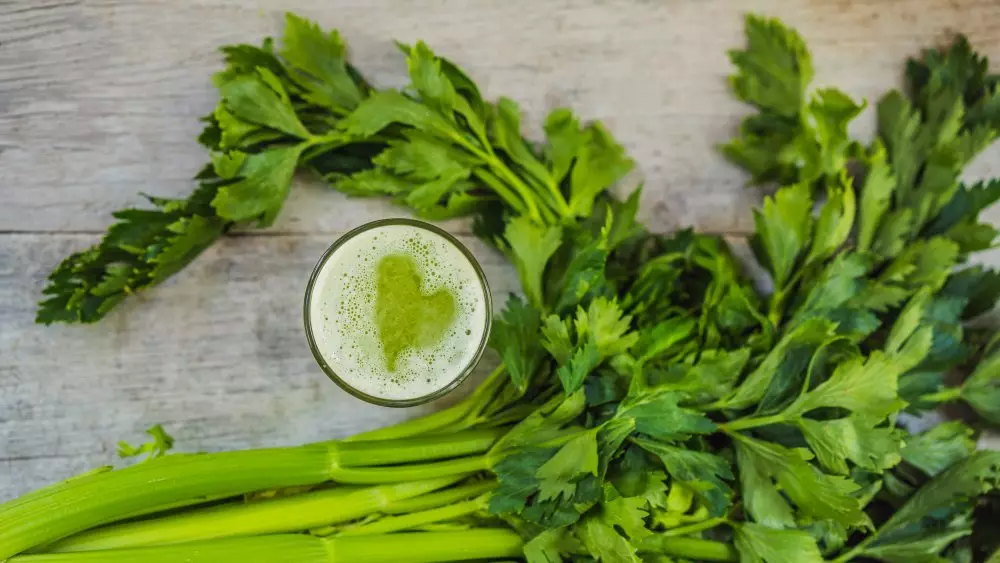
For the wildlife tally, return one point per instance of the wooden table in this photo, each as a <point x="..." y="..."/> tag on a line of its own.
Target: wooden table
<point x="99" y="100"/>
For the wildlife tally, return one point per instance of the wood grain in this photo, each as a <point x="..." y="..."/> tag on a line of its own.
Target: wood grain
<point x="99" y="100"/>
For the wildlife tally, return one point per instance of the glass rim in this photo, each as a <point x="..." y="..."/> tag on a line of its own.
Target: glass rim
<point x="382" y="401"/>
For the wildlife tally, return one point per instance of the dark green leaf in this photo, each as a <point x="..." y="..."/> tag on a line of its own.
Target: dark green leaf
<point x="774" y="70"/>
<point x="979" y="286"/>
<point x="763" y="501"/>
<point x="140" y="249"/>
<point x="262" y="100"/>
<point x="374" y="182"/>
<point x="982" y="389"/>
<point x="938" y="448"/>
<point x="893" y="233"/>
<point x="318" y="65"/>
<point x="829" y="112"/>
<point x="516" y="337"/>
<point x="605" y="324"/>
<point x="836" y="220"/>
<point x="783" y="226"/>
<point x="562" y="129"/>
<point x="711" y="378"/>
<point x="876" y="195"/>
<point x="531" y="247"/>
<point x="662" y="338"/>
<point x="865" y="387"/>
<point x="937" y="507"/>
<point x="636" y="475"/>
<point x="814" y="493"/>
<point x="600" y="162"/>
<point x="243" y="60"/>
<point x="430" y="81"/>
<point x="702" y="472"/>
<point x="260" y="192"/>
<point x="656" y="412"/>
<point x="855" y="438"/>
<point x="386" y="107"/>
<point x="604" y="542"/>
<point x="783" y="368"/>
<point x="581" y="363"/>
<point x="574" y="460"/>
<point x="758" y="543"/>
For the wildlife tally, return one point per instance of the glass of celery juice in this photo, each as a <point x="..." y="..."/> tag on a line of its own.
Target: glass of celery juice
<point x="397" y="312"/>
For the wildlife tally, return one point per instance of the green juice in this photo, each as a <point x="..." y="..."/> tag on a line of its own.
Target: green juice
<point x="406" y="317"/>
<point x="397" y="312"/>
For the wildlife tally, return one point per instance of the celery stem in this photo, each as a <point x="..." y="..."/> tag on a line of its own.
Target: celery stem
<point x="440" y="498"/>
<point x="417" y="426"/>
<point x="696" y="527"/>
<point x="72" y="506"/>
<point x="427" y="547"/>
<point x="413" y="472"/>
<point x="945" y="395"/>
<point x="287" y="514"/>
<point x="290" y="548"/>
<point x="415" y="519"/>
<point x="689" y="548"/>
<point x="752" y="422"/>
<point x="441" y="420"/>
<point x="363" y="454"/>
<point x="416" y="547"/>
<point x="85" y="502"/>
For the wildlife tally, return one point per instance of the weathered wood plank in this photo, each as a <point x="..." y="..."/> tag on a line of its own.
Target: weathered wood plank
<point x="99" y="98"/>
<point x="218" y="355"/>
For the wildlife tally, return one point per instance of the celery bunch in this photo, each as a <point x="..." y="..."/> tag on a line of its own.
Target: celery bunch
<point x="652" y="404"/>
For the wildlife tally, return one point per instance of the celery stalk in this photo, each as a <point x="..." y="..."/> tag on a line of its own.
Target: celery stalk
<point x="85" y="502"/>
<point x="288" y="514"/>
<point x="427" y="547"/>
<point x="355" y="454"/>
<point x="426" y="424"/>
<point x="419" y="547"/>
<point x="75" y="505"/>
<point x="441" y="498"/>
<point x="413" y="472"/>
<point x="288" y="548"/>
<point x="459" y="416"/>
<point x="696" y="549"/>
<point x="426" y="502"/>
<point x="417" y="519"/>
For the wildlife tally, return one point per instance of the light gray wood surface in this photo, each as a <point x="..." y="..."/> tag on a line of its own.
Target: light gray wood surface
<point x="99" y="100"/>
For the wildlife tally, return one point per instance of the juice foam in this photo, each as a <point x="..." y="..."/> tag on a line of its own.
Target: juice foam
<point x="398" y="312"/>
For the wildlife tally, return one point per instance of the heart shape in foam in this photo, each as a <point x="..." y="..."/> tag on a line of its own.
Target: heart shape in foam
<point x="405" y="317"/>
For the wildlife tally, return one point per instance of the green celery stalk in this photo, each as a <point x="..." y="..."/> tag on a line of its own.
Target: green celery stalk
<point x="288" y="514"/>
<point x="427" y="424"/>
<point x="459" y="416"/>
<point x="66" y="508"/>
<point x="689" y="548"/>
<point x="84" y="502"/>
<point x="412" y="472"/>
<point x="427" y="547"/>
<point x="441" y="498"/>
<point x="420" y="547"/>
<point x="426" y="502"/>
<point x="289" y="548"/>
<point x="417" y="519"/>
<point x="363" y="454"/>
